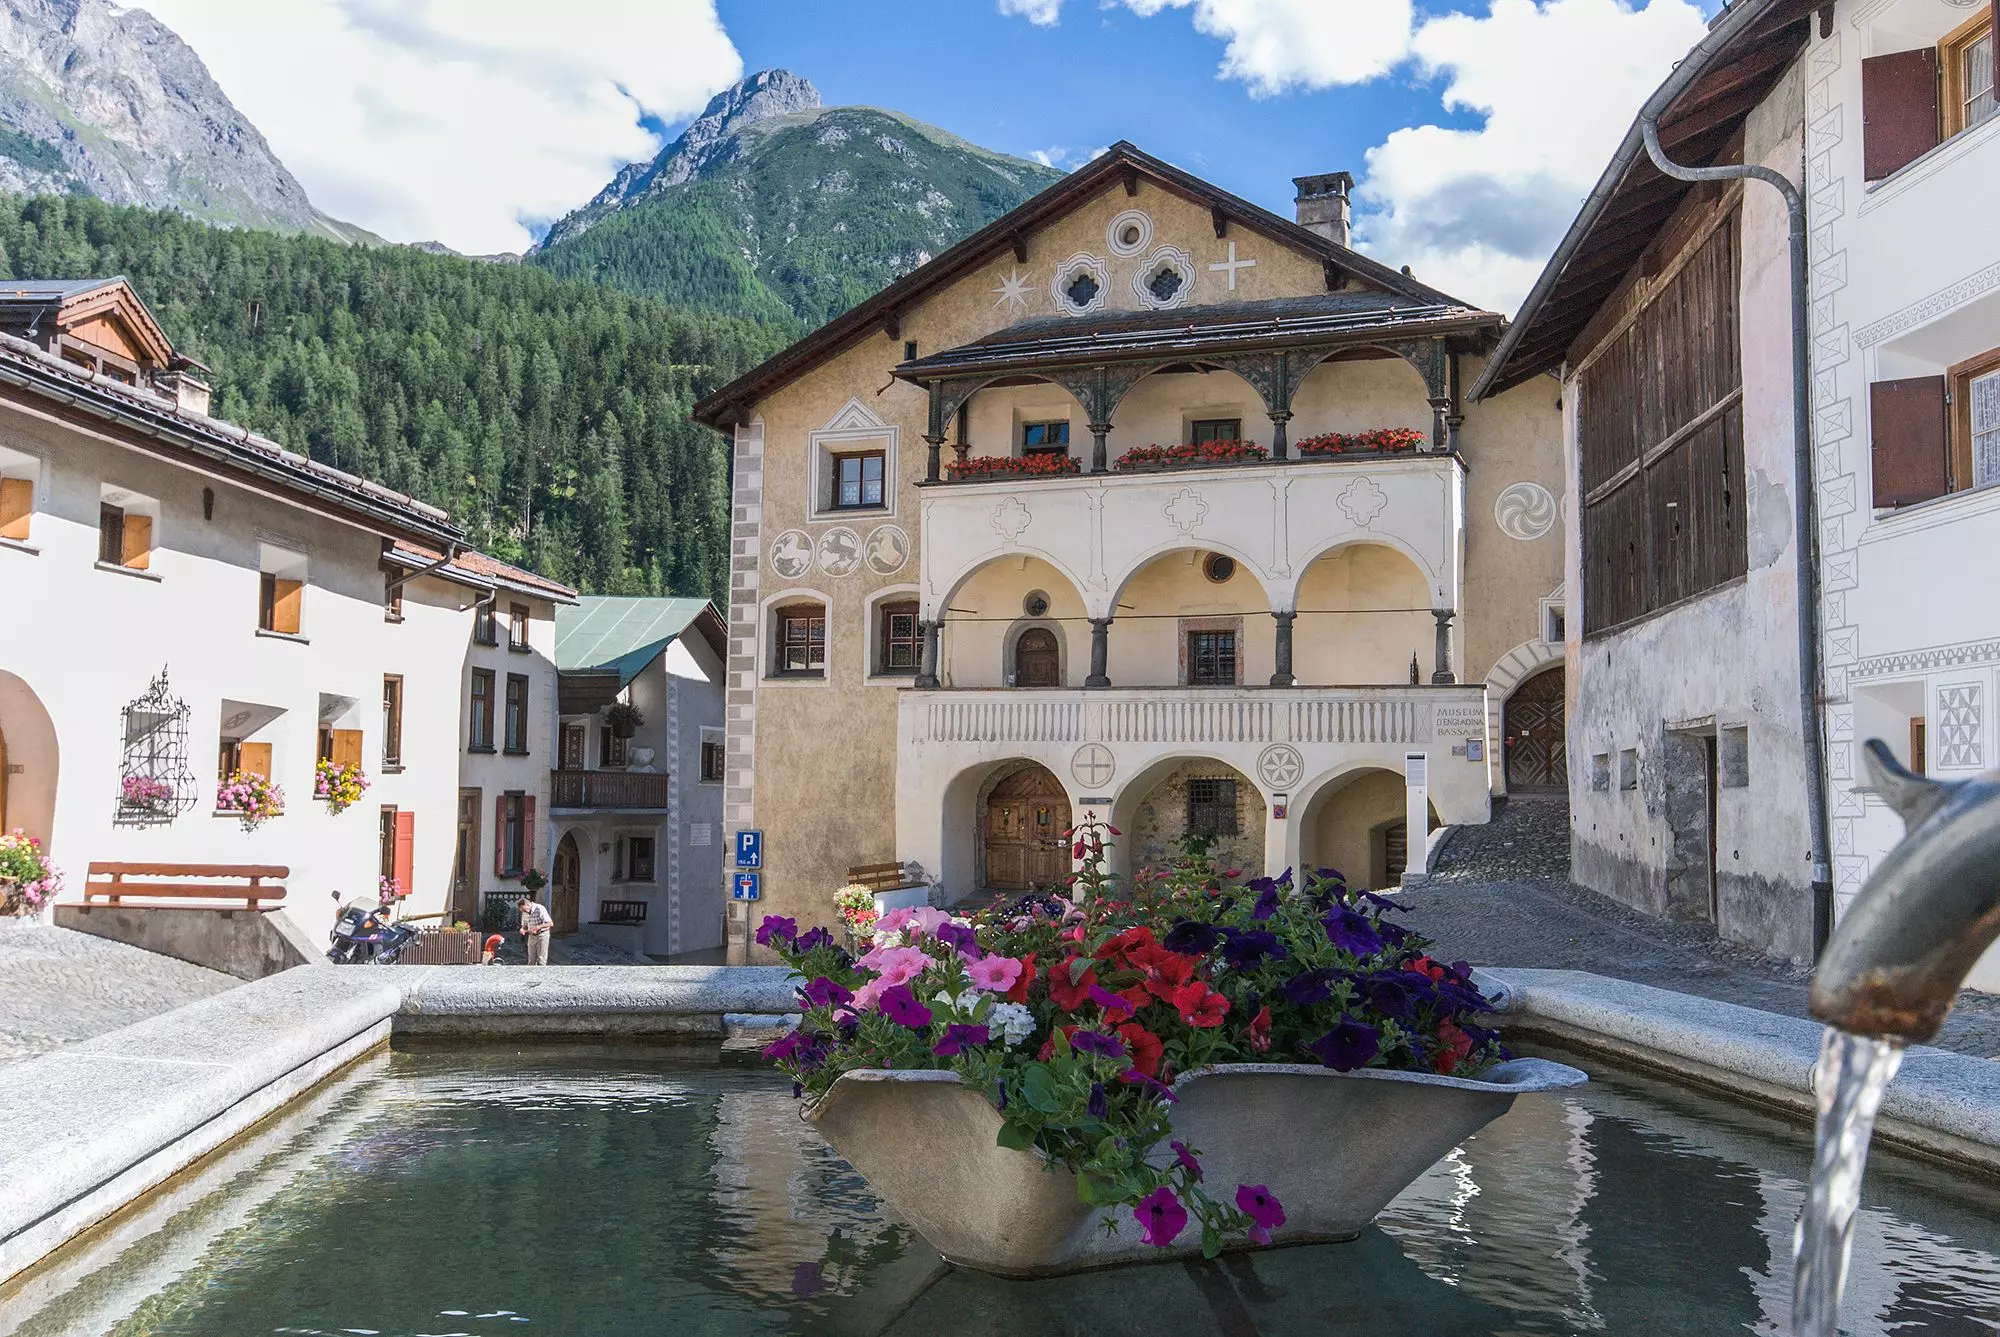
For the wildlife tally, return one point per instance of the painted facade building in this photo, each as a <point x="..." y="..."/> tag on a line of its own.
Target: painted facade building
<point x="1667" y="316"/>
<point x="187" y="600"/>
<point x="975" y="597"/>
<point x="637" y="791"/>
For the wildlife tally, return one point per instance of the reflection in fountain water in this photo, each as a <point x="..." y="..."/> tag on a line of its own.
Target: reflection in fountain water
<point x="1853" y="1075"/>
<point x="438" y="1194"/>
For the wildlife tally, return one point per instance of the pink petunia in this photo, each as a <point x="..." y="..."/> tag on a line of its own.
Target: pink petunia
<point x="869" y="994"/>
<point x="894" y="921"/>
<point x="896" y="965"/>
<point x="927" y="919"/>
<point x="995" y="974"/>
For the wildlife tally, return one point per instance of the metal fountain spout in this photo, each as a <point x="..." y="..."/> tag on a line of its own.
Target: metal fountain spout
<point x="1895" y="963"/>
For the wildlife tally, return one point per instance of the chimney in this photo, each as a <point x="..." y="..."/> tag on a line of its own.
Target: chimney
<point x="188" y="391"/>
<point x="1322" y="204"/>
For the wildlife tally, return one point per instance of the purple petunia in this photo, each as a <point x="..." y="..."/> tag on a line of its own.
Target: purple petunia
<point x="813" y="939"/>
<point x="1185" y="1156"/>
<point x="1190" y="937"/>
<point x="1266" y="1213"/>
<point x="899" y="1005"/>
<point x="1267" y="904"/>
<point x="959" y="937"/>
<point x="1349" y="1045"/>
<point x="824" y="992"/>
<point x="788" y="1045"/>
<point x="959" y="1038"/>
<point x="1098" y="1106"/>
<point x="1390" y="995"/>
<point x="1314" y="986"/>
<point x="1351" y="932"/>
<point x="1095" y="1042"/>
<point x="1244" y="949"/>
<point x="1162" y="1216"/>
<point x="1158" y="1090"/>
<point x="777" y="929"/>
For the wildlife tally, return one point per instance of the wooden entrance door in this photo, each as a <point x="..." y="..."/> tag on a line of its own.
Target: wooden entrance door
<point x="1037" y="659"/>
<point x="1533" y="733"/>
<point x="465" y="860"/>
<point x="564" y="892"/>
<point x="1025" y="820"/>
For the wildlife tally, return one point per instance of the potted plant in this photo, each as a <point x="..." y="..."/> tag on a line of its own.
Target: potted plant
<point x="252" y="797"/>
<point x="1380" y="440"/>
<point x="138" y="794"/>
<point x="1046" y="464"/>
<point x="533" y="881"/>
<point x="855" y="906"/>
<point x="28" y="881"/>
<point x="1187" y="1065"/>
<point x="1189" y="454"/>
<point x="623" y="718"/>
<point x="339" y="785"/>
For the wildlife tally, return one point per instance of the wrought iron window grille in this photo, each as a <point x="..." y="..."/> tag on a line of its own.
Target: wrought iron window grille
<point x="154" y="782"/>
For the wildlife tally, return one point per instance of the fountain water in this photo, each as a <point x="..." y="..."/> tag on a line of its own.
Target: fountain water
<point x="1886" y="979"/>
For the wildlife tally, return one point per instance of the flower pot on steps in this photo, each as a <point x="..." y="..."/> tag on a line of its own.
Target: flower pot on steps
<point x="1332" y="1147"/>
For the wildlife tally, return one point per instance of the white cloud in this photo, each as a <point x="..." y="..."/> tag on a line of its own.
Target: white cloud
<point x="1476" y="212"/>
<point x="1043" y="12"/>
<point x="457" y="119"/>
<point x="1067" y="159"/>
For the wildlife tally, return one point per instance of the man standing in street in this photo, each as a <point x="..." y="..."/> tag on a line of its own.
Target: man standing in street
<point x="535" y="925"/>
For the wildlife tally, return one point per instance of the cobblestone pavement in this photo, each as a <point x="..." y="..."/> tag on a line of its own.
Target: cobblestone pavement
<point x="58" y="986"/>
<point x="1501" y="896"/>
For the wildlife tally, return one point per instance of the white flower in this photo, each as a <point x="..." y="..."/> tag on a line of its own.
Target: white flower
<point x="1012" y="1021"/>
<point x="891" y="939"/>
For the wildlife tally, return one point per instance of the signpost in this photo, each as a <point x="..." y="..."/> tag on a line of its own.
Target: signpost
<point x="743" y="887"/>
<point x="750" y="849"/>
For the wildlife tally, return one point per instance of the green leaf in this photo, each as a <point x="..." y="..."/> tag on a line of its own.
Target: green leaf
<point x="1211" y="1242"/>
<point x="1038" y="1088"/>
<point x="1015" y="1137"/>
<point x="1078" y="967"/>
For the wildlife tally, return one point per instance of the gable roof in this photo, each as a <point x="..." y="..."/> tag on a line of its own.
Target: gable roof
<point x="470" y="567"/>
<point x="1123" y="163"/>
<point x="610" y="634"/>
<point x="22" y="301"/>
<point x="1701" y="108"/>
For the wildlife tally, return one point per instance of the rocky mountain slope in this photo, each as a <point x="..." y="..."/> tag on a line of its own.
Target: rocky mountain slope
<point x="108" y="102"/>
<point x="773" y="206"/>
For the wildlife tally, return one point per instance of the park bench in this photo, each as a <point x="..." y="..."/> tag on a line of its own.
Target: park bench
<point x="218" y="886"/>
<point x="878" y="876"/>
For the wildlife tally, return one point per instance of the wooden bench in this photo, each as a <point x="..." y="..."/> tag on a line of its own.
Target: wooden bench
<point x="251" y="885"/>
<point x="878" y="876"/>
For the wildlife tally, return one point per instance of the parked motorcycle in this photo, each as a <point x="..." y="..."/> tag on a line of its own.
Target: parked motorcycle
<point x="367" y="935"/>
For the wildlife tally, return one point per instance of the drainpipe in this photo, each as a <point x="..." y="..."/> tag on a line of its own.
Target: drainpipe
<point x="1802" y="510"/>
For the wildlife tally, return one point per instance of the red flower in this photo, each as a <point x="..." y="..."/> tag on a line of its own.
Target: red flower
<point x="1019" y="993"/>
<point x="1144" y="1047"/>
<point x="1260" y="1030"/>
<point x="1199" y="1005"/>
<point x="1453" y="1047"/>
<point x="1128" y="941"/>
<point x="1068" y="994"/>
<point x="1165" y="971"/>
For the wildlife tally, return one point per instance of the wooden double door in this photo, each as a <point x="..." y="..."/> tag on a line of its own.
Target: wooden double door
<point x="1026" y="817"/>
<point x="1534" y="733"/>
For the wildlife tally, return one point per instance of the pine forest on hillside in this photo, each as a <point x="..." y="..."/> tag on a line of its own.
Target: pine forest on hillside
<point x="549" y="416"/>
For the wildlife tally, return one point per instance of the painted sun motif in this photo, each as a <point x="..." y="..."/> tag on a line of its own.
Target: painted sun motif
<point x="1013" y="291"/>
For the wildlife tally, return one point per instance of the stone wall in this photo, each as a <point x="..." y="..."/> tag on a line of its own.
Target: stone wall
<point x="1162" y="820"/>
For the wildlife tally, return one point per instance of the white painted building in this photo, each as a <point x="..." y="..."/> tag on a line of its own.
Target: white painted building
<point x="636" y="802"/>
<point x="186" y="599"/>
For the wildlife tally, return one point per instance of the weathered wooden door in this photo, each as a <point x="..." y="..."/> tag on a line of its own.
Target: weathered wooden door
<point x="1025" y="820"/>
<point x="1533" y="733"/>
<point x="1037" y="660"/>
<point x="465" y="860"/>
<point x="565" y="893"/>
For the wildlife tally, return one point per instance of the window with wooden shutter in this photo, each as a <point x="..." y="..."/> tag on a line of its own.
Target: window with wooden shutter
<point x="1899" y="110"/>
<point x="17" y="504"/>
<point x="406" y="852"/>
<point x="253" y="759"/>
<point x="900" y="643"/>
<point x="392" y="721"/>
<point x="1965" y="75"/>
<point x="385" y="841"/>
<point x="800" y="634"/>
<point x="479" y="727"/>
<point x="527" y="832"/>
<point x="1974" y="401"/>
<point x="516" y="740"/>
<point x="137" y="547"/>
<point x="1907" y="440"/>
<point x="346" y="747"/>
<point x="277" y="604"/>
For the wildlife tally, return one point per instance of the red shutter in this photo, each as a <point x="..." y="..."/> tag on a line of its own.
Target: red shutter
<point x="406" y="851"/>
<point x="1899" y="110"/>
<point x="1907" y="431"/>
<point x="528" y="833"/>
<point x="500" y="836"/>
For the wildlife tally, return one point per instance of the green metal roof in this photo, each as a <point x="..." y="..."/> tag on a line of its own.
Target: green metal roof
<point x="604" y="634"/>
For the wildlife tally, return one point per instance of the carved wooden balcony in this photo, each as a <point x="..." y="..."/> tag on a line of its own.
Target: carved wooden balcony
<point x="609" y="790"/>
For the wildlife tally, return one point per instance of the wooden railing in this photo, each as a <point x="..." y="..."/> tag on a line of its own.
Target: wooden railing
<point x="608" y="789"/>
<point x="621" y="912"/>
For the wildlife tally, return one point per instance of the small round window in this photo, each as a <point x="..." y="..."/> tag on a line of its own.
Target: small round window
<point x="1218" y="568"/>
<point x="1131" y="235"/>
<point x="1036" y="604"/>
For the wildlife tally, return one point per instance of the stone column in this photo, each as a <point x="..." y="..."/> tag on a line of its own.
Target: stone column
<point x="1442" y="655"/>
<point x="933" y="458"/>
<point x="1283" y="677"/>
<point x="1100" y="449"/>
<point x="927" y="673"/>
<point x="1440" y="431"/>
<point x="1100" y="653"/>
<point x="1280" y="448"/>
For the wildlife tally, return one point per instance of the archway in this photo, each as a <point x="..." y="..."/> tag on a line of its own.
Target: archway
<point x="1024" y="847"/>
<point x="1179" y="797"/>
<point x="1363" y="617"/>
<point x="1194" y="616"/>
<point x="1357" y="824"/>
<point x="993" y="607"/>
<point x="1534" y="733"/>
<point x="27" y="741"/>
<point x="565" y="884"/>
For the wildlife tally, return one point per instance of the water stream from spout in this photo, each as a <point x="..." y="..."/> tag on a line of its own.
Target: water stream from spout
<point x="1853" y="1073"/>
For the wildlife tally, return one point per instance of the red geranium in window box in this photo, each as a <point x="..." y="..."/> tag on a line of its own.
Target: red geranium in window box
<point x="1191" y="452"/>
<point x="1014" y="466"/>
<point x="1380" y="440"/>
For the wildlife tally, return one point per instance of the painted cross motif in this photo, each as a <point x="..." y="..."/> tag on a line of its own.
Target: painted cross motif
<point x="1231" y="265"/>
<point x="1362" y="501"/>
<point x="1013" y="291"/>
<point x="1186" y="510"/>
<point x="1010" y="518"/>
<point x="1093" y="766"/>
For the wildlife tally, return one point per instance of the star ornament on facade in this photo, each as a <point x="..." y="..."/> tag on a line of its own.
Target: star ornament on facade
<point x="1013" y="291"/>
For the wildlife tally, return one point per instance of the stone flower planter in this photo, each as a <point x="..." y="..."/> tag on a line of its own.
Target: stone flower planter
<point x="1333" y="1147"/>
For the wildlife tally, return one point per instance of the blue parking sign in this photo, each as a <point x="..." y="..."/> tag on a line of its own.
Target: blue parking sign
<point x="744" y="887"/>
<point x="749" y="849"/>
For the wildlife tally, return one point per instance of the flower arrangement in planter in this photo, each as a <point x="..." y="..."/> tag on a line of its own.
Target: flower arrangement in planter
<point x="144" y="793"/>
<point x="623" y="718"/>
<point x="1082" y="1021"/>
<point x="339" y="785"/>
<point x="1046" y="464"/>
<point x="1381" y="440"/>
<point x="28" y="881"/>
<point x="855" y="904"/>
<point x="389" y="890"/>
<point x="1190" y="453"/>
<point x="252" y="797"/>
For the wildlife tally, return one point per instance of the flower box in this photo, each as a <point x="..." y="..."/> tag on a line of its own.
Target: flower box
<point x="1333" y="1147"/>
<point x="1189" y="455"/>
<point x="1013" y="466"/>
<point x="1379" y="441"/>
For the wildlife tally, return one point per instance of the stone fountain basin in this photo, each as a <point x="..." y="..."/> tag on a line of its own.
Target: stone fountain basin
<point x="1333" y="1147"/>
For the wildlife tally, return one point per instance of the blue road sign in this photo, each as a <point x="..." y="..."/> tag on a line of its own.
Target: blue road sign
<point x="750" y="850"/>
<point x="744" y="888"/>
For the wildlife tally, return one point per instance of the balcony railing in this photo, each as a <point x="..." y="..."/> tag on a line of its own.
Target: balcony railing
<point x="608" y="789"/>
<point x="1396" y="716"/>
